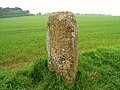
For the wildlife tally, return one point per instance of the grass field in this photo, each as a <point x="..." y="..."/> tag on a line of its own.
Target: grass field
<point x="23" y="54"/>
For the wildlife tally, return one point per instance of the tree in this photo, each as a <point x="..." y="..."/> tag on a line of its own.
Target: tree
<point x="39" y="13"/>
<point x="13" y="12"/>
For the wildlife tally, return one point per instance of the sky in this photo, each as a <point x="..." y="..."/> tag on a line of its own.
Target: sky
<point x="76" y="6"/>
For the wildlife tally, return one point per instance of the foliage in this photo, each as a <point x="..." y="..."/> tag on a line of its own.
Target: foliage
<point x="13" y="12"/>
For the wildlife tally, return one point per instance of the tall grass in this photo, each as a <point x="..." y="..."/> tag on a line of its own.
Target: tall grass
<point x="97" y="70"/>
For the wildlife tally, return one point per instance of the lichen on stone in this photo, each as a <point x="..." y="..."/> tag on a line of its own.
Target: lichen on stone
<point x="62" y="39"/>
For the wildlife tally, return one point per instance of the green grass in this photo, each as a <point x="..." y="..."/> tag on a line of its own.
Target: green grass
<point x="23" y="40"/>
<point x="98" y="70"/>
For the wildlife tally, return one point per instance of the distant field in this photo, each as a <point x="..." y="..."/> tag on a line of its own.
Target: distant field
<point x="23" y="40"/>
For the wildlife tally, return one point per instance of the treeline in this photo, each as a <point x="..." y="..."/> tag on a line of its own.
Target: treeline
<point x="75" y="14"/>
<point x="93" y="14"/>
<point x="13" y="12"/>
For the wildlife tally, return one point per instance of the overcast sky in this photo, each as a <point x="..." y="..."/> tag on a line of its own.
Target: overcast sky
<point x="76" y="6"/>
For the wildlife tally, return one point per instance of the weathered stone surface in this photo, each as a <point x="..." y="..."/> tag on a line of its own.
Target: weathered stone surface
<point x="62" y="45"/>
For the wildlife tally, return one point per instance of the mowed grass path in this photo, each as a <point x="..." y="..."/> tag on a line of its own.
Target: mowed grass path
<point x="23" y="39"/>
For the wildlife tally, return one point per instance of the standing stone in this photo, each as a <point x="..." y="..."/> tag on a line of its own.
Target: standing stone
<point x="62" y="44"/>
